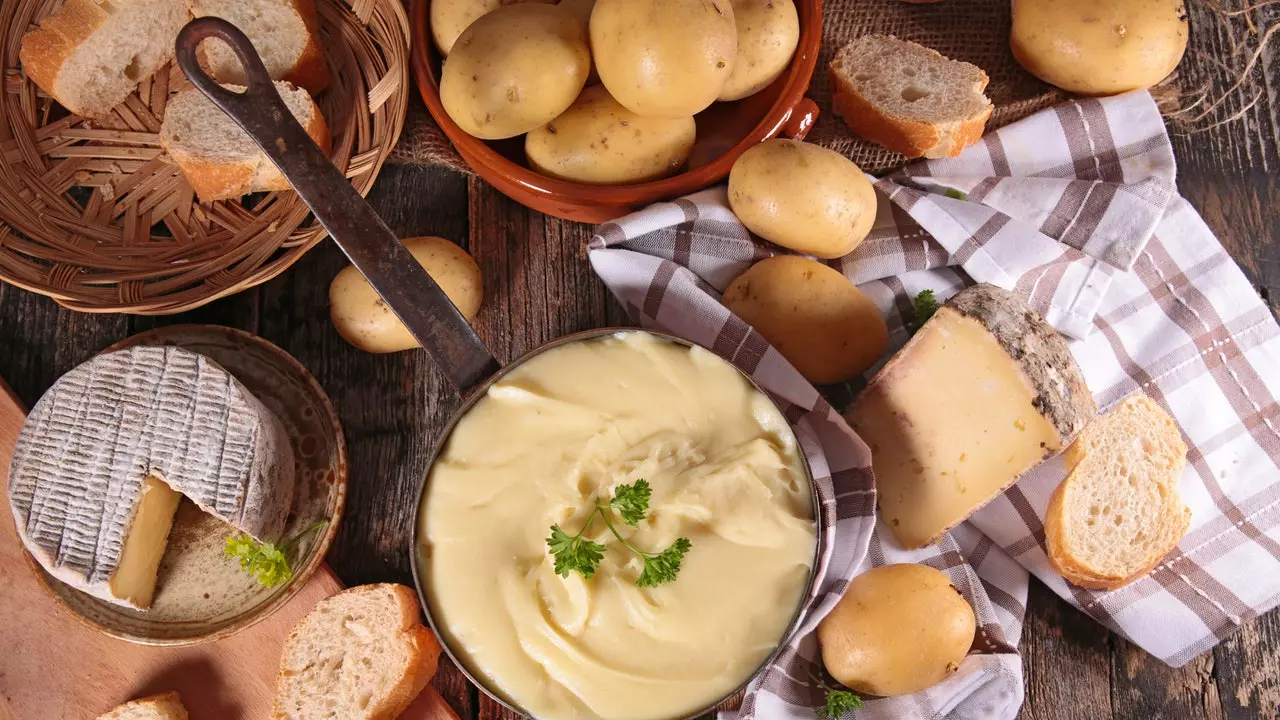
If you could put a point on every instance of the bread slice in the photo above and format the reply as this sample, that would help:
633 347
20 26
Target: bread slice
219 158
362 654
91 54
165 706
286 34
1119 512
909 98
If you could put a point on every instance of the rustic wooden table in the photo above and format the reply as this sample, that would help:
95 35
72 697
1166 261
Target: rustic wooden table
539 286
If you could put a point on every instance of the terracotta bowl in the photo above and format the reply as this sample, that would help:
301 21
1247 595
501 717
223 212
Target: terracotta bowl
725 131
203 595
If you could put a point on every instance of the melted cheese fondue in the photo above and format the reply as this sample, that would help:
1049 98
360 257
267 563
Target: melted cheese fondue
566 427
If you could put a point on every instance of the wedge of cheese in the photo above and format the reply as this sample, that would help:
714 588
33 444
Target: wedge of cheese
108 453
984 392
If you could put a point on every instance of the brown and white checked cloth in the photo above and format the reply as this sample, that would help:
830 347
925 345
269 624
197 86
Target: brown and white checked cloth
1074 209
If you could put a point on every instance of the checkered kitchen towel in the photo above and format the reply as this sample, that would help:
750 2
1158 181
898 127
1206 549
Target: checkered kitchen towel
1075 210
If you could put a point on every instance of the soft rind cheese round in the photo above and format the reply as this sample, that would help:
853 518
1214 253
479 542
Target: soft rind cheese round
102 455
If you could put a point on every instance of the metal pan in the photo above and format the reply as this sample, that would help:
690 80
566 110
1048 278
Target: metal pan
407 289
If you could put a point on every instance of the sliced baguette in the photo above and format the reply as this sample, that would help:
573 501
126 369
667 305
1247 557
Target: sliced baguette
909 98
165 706
1119 511
286 34
219 158
362 654
91 54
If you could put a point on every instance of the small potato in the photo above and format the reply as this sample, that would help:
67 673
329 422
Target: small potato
803 197
664 58
768 32
364 320
450 17
515 69
1099 47
898 630
597 141
820 322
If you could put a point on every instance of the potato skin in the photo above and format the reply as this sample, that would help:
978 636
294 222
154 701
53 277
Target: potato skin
899 629
365 321
820 322
664 58
450 17
1099 47
599 142
802 197
515 69
768 33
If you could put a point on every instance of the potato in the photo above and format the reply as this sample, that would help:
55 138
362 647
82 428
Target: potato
1099 47
515 69
898 630
768 32
803 197
664 58
820 322
597 141
450 17
363 319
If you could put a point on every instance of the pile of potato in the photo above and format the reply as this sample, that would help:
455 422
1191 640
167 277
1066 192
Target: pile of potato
522 67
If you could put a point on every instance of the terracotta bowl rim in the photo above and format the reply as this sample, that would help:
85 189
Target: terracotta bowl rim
486 161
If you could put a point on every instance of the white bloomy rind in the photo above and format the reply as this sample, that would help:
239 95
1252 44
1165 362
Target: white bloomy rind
82 459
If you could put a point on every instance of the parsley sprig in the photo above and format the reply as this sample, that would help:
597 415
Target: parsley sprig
266 561
838 700
924 306
575 553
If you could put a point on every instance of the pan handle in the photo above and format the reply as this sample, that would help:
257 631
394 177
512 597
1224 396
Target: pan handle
395 275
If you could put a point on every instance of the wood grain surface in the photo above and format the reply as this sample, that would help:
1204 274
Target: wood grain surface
539 286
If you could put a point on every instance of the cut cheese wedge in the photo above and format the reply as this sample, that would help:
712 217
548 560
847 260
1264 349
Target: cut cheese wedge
982 393
107 454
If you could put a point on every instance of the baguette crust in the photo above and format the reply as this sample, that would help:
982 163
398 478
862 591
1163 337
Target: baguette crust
912 138
310 71
1168 453
167 705
217 180
1061 559
425 654
47 48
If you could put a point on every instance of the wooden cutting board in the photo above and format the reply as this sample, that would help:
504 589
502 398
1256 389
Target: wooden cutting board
52 667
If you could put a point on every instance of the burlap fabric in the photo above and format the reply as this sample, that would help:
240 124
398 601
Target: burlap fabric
975 31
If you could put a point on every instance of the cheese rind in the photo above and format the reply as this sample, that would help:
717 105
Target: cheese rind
83 482
984 392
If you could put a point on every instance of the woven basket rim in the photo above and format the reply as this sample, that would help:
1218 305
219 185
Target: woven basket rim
95 216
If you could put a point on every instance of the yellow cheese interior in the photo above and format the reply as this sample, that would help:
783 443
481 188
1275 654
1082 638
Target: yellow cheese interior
950 425
564 429
134 580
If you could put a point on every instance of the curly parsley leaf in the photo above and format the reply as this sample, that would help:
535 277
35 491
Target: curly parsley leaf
266 561
924 306
632 501
662 567
839 702
574 553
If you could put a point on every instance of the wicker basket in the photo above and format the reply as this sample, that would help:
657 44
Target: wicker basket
94 215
